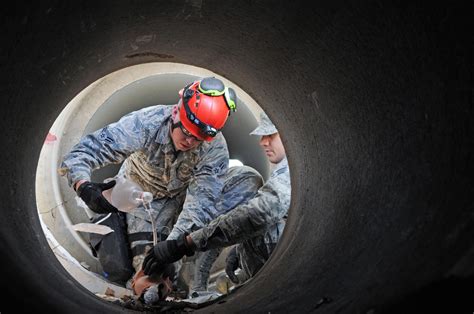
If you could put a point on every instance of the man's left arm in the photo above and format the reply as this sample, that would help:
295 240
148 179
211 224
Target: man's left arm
204 189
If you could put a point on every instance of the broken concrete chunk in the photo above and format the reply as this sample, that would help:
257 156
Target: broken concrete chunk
110 292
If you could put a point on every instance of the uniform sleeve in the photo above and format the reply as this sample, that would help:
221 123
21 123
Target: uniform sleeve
247 220
111 144
204 189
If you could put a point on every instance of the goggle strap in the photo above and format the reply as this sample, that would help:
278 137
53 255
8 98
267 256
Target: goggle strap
230 97
175 125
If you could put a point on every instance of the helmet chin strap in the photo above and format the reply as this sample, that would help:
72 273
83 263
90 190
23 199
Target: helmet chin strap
173 118
172 127
175 125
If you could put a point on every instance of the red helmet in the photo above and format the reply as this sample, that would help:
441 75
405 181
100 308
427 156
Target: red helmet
206 104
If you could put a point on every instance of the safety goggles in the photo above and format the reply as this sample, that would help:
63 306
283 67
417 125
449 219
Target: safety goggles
187 133
209 88
216 88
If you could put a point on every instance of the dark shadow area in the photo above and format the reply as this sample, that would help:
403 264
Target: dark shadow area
452 295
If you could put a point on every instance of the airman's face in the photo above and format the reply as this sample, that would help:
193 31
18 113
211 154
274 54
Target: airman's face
273 147
182 139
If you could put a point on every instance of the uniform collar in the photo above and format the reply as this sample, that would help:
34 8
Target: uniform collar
282 164
164 134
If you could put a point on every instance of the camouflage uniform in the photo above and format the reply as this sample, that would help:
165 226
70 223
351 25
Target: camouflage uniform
191 180
240 185
257 224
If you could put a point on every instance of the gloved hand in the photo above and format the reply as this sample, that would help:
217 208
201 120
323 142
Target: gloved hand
232 263
91 194
166 252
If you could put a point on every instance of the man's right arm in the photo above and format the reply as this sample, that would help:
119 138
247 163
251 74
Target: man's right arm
111 144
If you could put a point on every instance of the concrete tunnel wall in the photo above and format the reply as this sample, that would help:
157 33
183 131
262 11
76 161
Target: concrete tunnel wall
374 102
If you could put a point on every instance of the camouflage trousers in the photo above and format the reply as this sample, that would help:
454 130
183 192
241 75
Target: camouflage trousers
240 184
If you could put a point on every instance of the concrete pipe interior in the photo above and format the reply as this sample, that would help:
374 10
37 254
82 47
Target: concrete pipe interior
374 104
104 102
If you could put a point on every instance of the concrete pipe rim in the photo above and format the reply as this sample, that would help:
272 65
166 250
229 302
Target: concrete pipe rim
90 110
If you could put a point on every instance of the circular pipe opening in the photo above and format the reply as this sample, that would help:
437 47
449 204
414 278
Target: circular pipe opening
104 102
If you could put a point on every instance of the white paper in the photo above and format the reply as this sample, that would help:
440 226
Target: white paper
92 228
